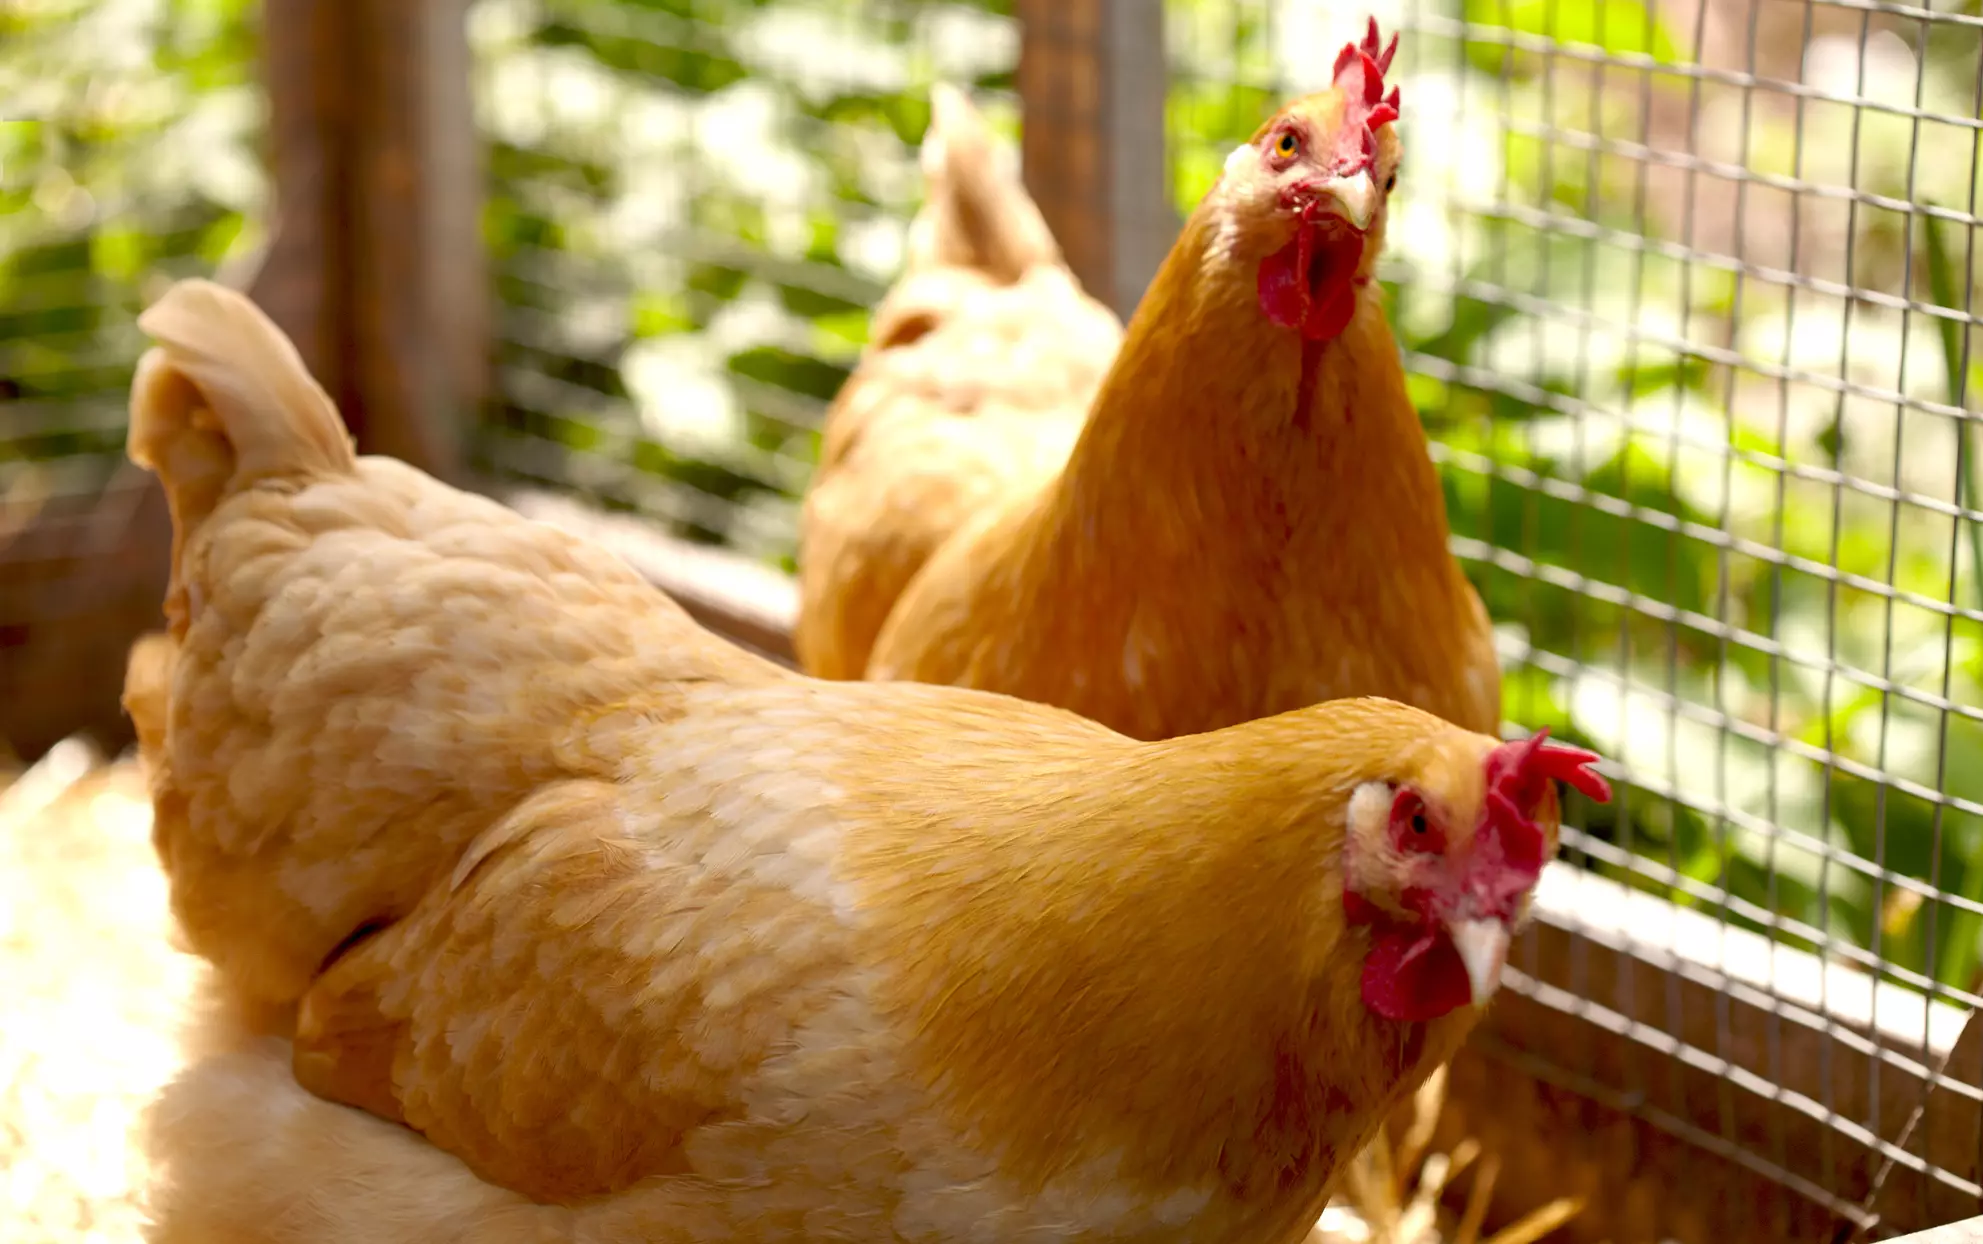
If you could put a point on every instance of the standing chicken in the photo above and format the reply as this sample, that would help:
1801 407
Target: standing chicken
610 932
1248 521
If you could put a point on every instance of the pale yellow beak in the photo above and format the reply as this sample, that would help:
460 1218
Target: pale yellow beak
1355 197
1483 947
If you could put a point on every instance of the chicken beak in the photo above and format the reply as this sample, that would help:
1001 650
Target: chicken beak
1354 198
1483 947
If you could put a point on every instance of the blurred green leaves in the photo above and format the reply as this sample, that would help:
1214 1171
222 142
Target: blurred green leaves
127 157
1615 27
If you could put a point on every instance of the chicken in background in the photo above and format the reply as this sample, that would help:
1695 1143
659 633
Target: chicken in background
1247 521
543 914
981 363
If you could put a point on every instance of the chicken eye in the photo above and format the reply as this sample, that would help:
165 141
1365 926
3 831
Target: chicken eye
1390 183
1287 145
1411 829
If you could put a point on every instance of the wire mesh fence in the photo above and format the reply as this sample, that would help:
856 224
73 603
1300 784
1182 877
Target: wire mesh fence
694 206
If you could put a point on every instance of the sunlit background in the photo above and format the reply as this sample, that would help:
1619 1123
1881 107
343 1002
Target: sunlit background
1684 292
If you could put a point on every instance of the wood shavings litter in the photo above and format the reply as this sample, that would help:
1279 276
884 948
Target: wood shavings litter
93 995
1391 1193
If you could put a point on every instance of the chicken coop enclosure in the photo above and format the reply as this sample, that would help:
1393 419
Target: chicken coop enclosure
1685 293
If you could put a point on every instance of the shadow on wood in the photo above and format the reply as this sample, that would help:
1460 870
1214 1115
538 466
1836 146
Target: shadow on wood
80 578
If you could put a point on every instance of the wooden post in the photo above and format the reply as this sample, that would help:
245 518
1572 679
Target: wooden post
375 268
1092 80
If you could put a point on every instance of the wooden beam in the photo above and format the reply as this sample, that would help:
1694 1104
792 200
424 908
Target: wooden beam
375 267
1092 81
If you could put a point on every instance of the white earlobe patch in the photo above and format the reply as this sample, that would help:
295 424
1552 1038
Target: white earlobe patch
1242 152
1369 810
1370 804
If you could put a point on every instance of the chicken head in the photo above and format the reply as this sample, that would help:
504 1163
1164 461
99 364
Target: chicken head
1318 175
1440 866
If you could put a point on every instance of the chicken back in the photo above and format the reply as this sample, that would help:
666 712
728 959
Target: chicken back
539 913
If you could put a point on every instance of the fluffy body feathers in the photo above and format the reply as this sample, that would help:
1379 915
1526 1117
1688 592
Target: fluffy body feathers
601 929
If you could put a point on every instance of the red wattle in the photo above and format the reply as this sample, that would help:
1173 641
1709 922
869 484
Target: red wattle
1414 975
1328 317
1284 282
1293 294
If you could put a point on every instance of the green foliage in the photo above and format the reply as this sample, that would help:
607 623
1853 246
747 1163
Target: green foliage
126 158
1617 27
704 198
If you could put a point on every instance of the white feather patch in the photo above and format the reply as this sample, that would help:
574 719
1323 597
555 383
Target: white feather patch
1227 237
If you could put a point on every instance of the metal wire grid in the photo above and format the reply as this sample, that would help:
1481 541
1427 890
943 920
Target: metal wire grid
125 159
696 205
1686 294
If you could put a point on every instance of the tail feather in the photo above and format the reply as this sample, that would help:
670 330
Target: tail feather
976 214
224 393
222 401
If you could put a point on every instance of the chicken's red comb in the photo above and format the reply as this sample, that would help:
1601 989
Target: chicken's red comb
1359 74
1522 766
1516 774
